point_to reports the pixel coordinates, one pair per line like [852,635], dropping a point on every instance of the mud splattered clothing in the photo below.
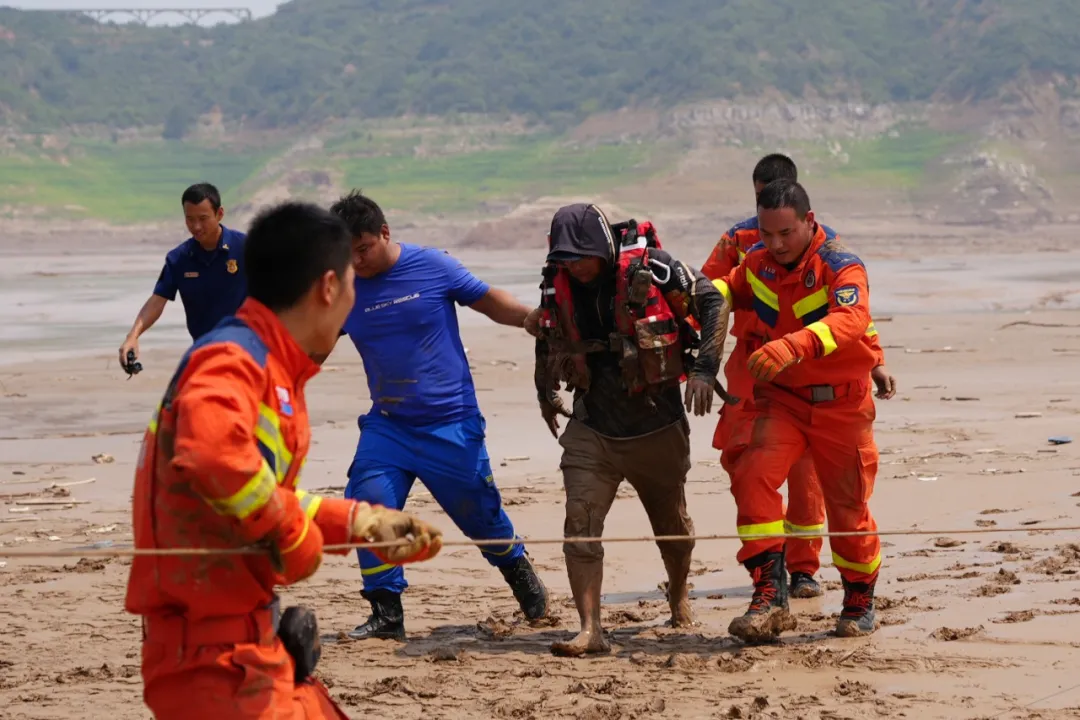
[823,404]
[606,407]
[425,421]
[219,468]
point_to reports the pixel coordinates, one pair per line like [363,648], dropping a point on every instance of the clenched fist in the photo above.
[378,524]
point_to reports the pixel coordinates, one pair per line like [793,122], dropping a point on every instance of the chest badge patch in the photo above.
[192,274]
[810,279]
[847,295]
[283,401]
[231,267]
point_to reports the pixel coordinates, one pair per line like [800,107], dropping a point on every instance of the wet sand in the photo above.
[973,626]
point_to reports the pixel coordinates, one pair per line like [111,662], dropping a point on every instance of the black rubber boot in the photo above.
[528,588]
[768,614]
[858,616]
[387,619]
[803,585]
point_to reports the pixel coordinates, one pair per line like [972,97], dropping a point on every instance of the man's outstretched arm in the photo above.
[502,307]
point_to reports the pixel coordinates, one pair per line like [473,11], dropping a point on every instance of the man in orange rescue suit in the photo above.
[810,357]
[613,326]
[219,468]
[805,511]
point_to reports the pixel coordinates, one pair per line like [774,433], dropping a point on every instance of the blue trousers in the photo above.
[452,462]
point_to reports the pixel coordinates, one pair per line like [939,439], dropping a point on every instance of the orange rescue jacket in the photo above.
[823,305]
[730,251]
[219,468]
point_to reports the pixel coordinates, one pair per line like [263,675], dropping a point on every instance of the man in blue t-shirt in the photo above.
[424,422]
[207,270]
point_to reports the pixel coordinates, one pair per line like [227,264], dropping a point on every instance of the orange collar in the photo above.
[281,344]
[816,241]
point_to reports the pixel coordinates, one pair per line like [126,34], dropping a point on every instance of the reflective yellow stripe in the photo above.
[793,528]
[811,302]
[871,331]
[741,255]
[762,292]
[724,289]
[268,432]
[154,419]
[867,568]
[309,503]
[376,570]
[769,528]
[253,496]
[299,540]
[824,333]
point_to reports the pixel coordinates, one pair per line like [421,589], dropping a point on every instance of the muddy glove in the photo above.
[699,392]
[299,633]
[551,407]
[376,523]
[771,358]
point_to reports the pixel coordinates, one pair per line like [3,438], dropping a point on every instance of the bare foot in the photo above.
[681,614]
[586,643]
[763,627]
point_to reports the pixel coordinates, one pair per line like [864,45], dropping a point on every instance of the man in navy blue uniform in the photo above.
[207,269]
[425,421]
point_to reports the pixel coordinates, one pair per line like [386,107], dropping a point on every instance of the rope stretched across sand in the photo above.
[132,552]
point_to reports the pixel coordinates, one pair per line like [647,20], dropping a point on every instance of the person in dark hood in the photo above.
[613,325]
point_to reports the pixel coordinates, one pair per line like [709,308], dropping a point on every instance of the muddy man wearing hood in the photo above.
[613,325]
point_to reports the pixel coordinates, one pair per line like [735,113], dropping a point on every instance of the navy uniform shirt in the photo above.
[212,284]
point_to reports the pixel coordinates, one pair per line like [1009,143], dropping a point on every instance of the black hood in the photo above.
[580,230]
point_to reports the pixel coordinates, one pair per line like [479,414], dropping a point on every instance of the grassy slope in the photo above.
[141,181]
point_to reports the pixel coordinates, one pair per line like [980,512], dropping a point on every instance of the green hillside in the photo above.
[317,59]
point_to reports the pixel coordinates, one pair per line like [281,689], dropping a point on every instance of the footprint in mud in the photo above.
[1005,548]
[494,628]
[951,634]
[985,523]
[853,689]
[991,590]
[997,511]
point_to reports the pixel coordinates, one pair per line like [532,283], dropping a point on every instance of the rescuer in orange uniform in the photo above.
[219,468]
[810,357]
[805,511]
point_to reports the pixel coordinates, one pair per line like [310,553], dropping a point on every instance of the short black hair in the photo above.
[785,194]
[775,167]
[202,191]
[289,247]
[360,213]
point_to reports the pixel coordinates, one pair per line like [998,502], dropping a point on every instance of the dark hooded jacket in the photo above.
[582,230]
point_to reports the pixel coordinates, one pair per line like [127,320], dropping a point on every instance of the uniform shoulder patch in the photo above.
[847,295]
[830,234]
[837,257]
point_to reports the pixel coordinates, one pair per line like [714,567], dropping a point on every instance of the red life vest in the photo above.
[648,336]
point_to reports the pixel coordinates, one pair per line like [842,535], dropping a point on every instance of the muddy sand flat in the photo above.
[974,626]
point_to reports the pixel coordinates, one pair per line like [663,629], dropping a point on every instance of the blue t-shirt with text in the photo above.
[404,325]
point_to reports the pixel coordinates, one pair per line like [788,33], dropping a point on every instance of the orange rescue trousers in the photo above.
[787,431]
[228,668]
[805,511]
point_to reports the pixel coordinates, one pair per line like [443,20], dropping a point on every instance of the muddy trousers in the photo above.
[655,465]
[840,439]
[192,670]
[805,511]
[452,461]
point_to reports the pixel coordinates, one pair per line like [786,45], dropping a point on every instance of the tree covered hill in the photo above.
[318,59]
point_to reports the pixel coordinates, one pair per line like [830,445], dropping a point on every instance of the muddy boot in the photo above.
[768,615]
[528,589]
[857,617]
[803,585]
[387,621]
